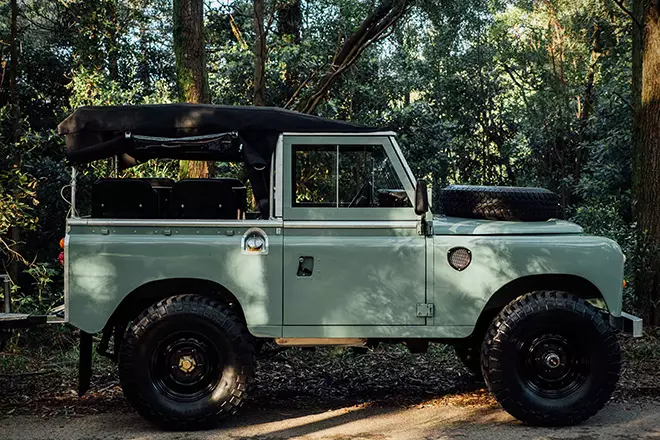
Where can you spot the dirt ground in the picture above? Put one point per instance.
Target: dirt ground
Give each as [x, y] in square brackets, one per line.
[332, 394]
[363, 422]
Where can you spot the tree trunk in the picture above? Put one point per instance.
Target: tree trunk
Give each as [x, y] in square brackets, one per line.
[259, 97]
[289, 24]
[113, 41]
[13, 69]
[646, 86]
[585, 107]
[191, 75]
[14, 232]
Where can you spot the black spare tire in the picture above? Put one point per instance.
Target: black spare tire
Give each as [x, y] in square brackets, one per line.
[499, 203]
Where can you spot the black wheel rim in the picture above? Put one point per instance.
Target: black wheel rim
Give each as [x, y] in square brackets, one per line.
[553, 365]
[186, 366]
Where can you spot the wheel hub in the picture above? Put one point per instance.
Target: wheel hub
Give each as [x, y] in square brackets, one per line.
[552, 366]
[187, 364]
[552, 360]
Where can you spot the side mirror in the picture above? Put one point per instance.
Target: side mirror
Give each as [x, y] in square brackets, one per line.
[421, 198]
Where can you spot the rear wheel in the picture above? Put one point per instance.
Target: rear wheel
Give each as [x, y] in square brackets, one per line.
[551, 359]
[186, 361]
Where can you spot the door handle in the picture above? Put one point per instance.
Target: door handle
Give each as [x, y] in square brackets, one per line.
[305, 266]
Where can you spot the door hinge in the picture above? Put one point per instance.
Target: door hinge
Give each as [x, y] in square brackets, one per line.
[425, 227]
[425, 310]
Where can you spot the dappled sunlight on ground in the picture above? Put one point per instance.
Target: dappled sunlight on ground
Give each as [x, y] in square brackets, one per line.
[325, 393]
[361, 422]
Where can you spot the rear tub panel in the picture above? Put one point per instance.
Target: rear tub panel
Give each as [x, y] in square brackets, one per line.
[107, 263]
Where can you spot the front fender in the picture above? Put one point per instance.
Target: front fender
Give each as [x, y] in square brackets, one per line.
[498, 260]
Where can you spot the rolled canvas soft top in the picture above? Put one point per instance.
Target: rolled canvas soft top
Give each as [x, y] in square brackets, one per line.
[186, 131]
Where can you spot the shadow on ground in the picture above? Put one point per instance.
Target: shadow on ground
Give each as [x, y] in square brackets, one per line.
[363, 422]
[333, 394]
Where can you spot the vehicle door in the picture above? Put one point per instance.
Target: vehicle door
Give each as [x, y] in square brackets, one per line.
[352, 252]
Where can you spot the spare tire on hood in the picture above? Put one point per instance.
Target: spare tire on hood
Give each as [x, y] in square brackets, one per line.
[499, 203]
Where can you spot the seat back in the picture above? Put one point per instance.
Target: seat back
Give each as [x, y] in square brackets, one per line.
[204, 199]
[163, 187]
[240, 193]
[124, 198]
[159, 182]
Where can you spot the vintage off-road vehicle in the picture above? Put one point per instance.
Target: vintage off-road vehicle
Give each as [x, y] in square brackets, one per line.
[185, 283]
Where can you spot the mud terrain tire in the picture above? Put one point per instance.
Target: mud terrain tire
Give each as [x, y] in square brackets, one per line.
[185, 362]
[551, 359]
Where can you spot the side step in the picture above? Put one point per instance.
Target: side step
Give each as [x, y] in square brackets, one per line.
[10, 321]
[313, 342]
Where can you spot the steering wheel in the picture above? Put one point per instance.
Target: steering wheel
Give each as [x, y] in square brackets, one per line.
[363, 195]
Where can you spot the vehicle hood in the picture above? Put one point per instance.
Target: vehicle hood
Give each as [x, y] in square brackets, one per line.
[464, 226]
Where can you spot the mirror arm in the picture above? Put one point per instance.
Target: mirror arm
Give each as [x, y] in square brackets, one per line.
[421, 198]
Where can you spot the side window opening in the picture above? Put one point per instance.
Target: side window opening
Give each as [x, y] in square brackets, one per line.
[315, 175]
[345, 176]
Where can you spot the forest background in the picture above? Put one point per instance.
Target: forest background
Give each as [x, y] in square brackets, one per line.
[562, 94]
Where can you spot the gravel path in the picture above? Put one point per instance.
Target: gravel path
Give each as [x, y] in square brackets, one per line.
[620, 421]
[326, 394]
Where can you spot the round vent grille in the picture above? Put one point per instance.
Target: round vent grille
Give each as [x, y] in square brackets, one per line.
[459, 258]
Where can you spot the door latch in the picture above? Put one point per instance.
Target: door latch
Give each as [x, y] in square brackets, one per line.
[305, 266]
[425, 310]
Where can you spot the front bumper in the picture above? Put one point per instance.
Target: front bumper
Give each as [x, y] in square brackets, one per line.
[628, 323]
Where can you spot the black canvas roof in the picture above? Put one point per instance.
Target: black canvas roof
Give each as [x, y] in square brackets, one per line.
[137, 133]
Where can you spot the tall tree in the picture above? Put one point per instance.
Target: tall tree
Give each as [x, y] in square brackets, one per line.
[13, 69]
[113, 40]
[260, 49]
[191, 74]
[15, 120]
[646, 133]
[289, 25]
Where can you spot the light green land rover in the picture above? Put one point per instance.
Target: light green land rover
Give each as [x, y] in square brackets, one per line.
[187, 283]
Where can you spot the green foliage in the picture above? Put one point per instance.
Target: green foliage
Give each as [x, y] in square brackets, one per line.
[480, 91]
[18, 200]
[45, 294]
[93, 87]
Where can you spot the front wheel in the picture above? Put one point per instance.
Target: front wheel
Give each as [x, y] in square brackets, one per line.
[186, 361]
[551, 359]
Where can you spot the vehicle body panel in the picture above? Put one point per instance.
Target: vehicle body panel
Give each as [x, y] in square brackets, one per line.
[372, 266]
[467, 226]
[108, 260]
[460, 296]
[361, 276]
